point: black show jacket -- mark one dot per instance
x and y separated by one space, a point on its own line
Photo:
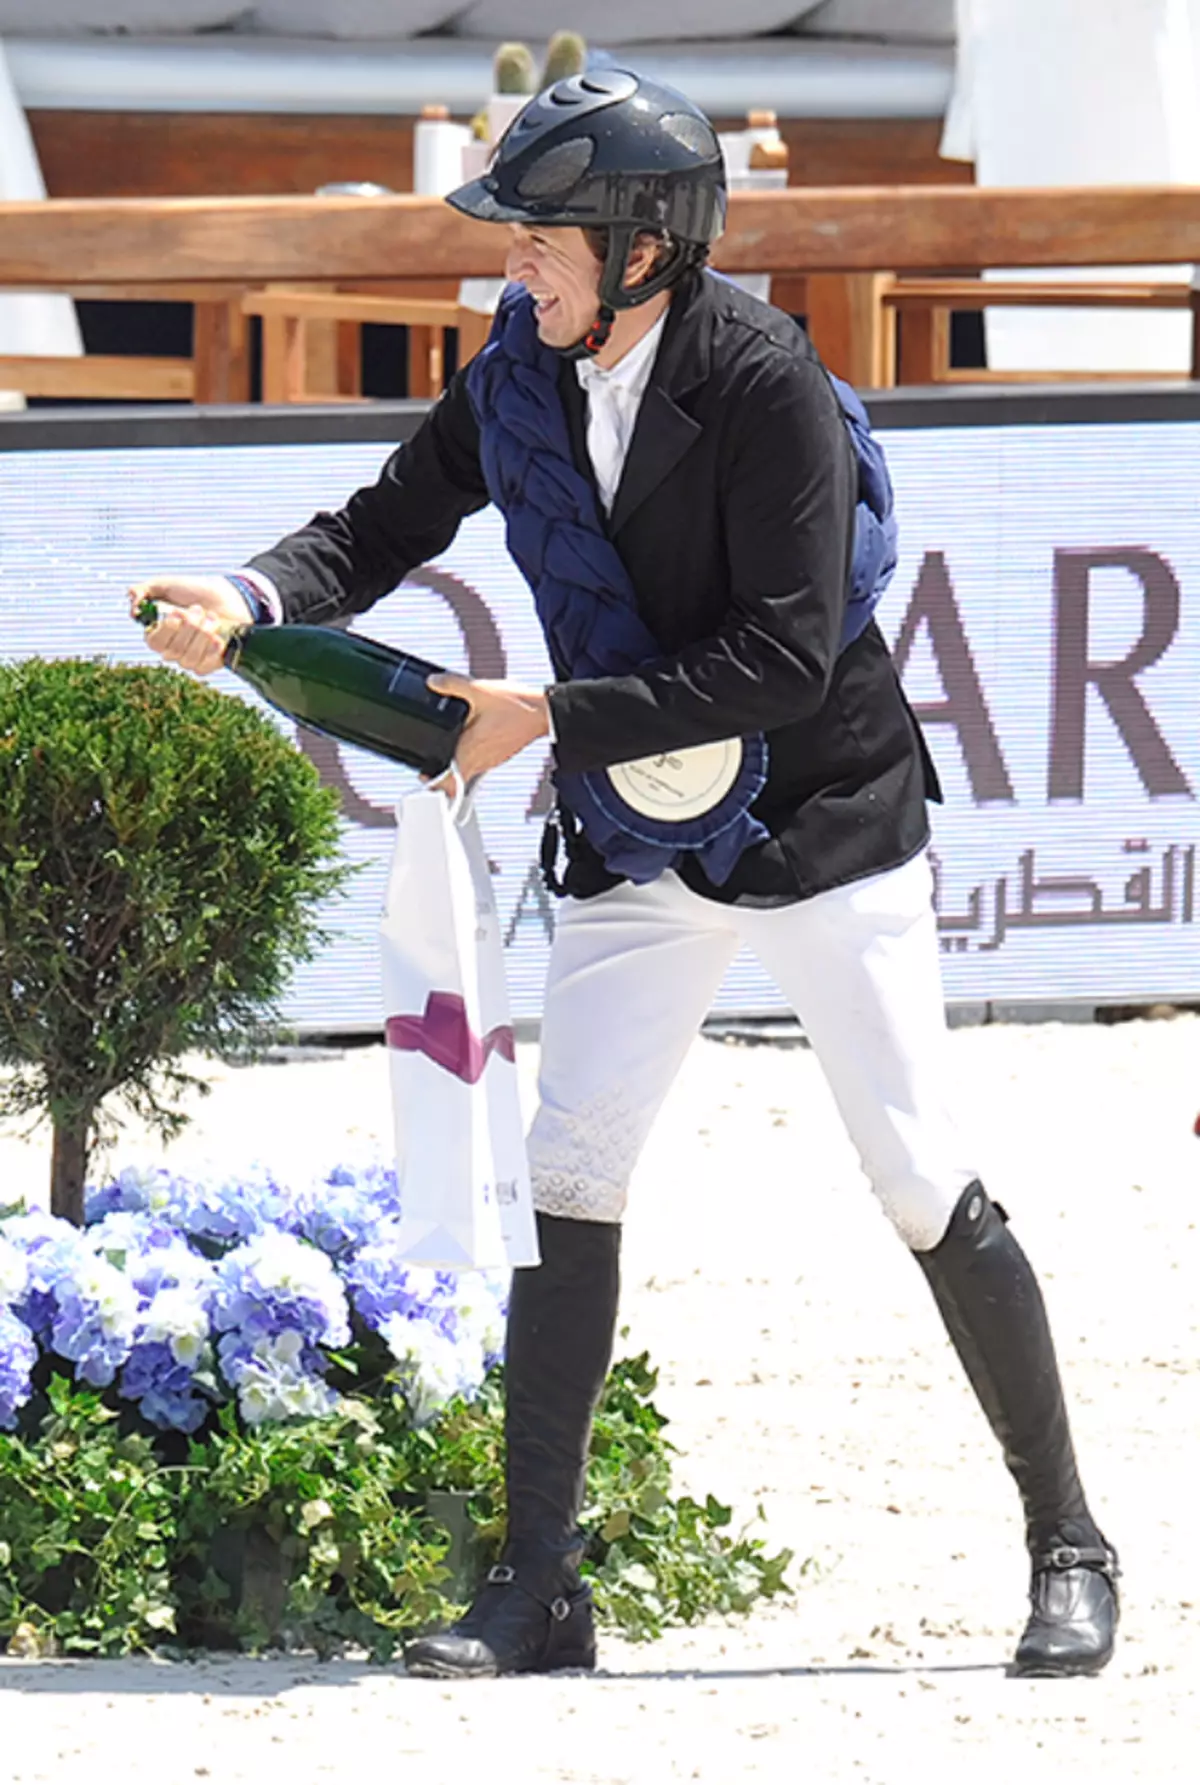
734 518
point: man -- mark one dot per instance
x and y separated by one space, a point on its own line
705 531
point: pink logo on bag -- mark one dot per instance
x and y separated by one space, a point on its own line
444 1035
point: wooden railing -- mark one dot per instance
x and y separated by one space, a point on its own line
846 244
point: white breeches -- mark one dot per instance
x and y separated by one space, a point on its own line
633 974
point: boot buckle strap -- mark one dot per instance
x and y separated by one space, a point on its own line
502 1574
1069 1555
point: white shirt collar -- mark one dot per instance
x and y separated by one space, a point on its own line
631 374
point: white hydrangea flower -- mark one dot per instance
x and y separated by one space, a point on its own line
480 1319
283 1350
177 1319
117 1235
111 1295
14 1273
304 1397
146 1187
272 1386
431 1367
34 1225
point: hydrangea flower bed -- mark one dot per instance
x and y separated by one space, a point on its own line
184 1293
230 1414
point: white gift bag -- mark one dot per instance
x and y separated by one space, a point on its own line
465 1195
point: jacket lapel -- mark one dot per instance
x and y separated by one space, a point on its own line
664 431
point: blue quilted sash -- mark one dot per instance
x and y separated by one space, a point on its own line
586 601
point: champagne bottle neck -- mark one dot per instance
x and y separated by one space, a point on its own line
230 632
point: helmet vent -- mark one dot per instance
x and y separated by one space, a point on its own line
692 133
555 173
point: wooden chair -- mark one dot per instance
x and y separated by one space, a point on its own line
921 354
95 377
312 340
217 371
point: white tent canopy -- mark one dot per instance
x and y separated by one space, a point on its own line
624 21
30 322
1071 93
797 77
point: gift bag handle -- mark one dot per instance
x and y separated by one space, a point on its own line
462 799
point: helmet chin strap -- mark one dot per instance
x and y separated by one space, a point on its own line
596 339
616 295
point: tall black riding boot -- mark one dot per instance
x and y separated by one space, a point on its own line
993 1310
533 1614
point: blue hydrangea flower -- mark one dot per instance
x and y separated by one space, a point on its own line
381 1284
279 1307
139 1189
54 1251
165 1391
275 1283
18 1354
235 1207
343 1210
124 1235
164 1261
95 1318
227 1208
170 1363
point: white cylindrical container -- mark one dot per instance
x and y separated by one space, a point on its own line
438 146
502 108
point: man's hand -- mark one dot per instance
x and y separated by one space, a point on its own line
504 719
191 610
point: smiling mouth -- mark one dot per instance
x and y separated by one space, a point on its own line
544 305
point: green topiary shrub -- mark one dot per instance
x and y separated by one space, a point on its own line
163 850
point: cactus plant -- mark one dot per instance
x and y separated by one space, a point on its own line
566 54
514 70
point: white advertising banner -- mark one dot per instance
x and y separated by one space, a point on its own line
1046 616
1045 613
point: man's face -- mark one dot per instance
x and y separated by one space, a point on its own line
560 272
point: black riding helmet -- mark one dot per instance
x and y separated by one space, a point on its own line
609 151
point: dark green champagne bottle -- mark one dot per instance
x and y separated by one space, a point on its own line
348 687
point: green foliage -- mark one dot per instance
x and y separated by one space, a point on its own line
659 1560
320 1534
88 1517
653 1559
311 1535
162 850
